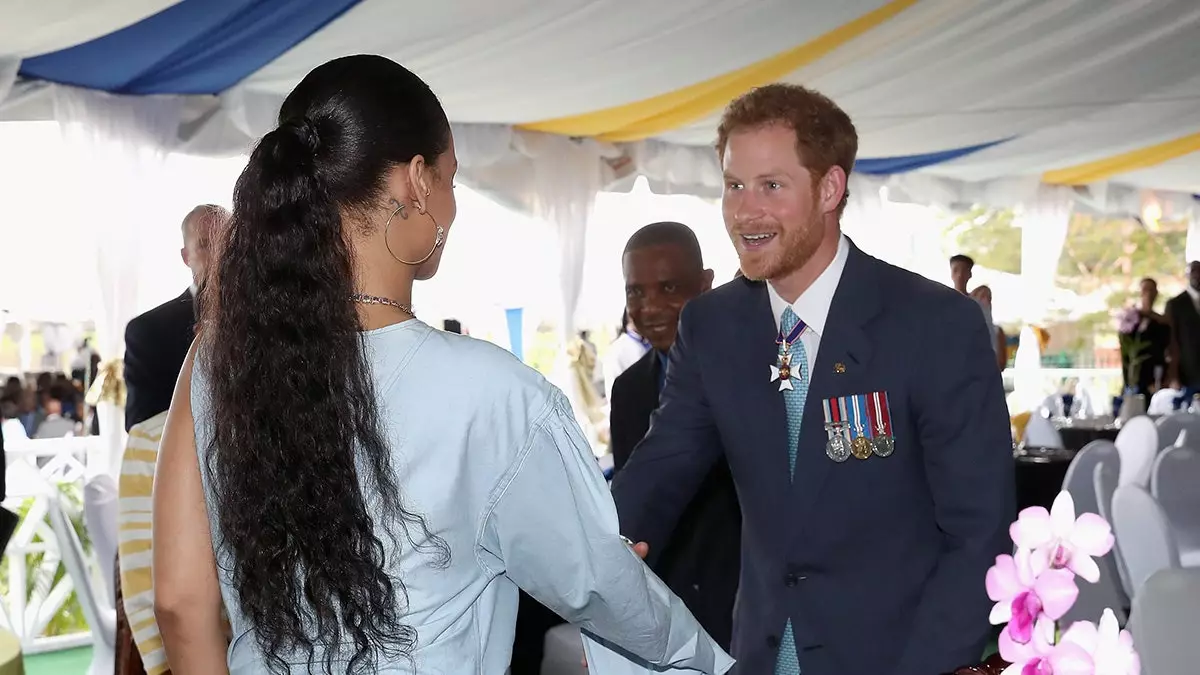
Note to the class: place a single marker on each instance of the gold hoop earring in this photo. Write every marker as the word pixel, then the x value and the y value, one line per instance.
pixel 437 242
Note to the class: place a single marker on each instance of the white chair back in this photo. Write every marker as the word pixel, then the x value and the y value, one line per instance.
pixel 1175 484
pixel 1171 426
pixel 563 654
pixel 1163 402
pixel 1137 443
pixel 1080 482
pixel 1164 620
pixel 101 618
pixel 1143 534
pixel 1105 479
pixel 1040 433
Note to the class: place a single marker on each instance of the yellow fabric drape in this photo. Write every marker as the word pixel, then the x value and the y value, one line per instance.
pixel 662 113
pixel 1142 158
pixel 109 386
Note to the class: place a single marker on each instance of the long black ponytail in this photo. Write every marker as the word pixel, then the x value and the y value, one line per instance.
pixel 298 452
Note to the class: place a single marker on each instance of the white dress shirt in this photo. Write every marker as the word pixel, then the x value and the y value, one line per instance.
pixel 813 304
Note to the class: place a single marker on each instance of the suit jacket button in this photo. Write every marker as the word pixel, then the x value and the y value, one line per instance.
pixel 772 642
pixel 791 579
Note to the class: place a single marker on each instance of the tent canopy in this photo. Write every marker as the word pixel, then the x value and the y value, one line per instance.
pixel 956 96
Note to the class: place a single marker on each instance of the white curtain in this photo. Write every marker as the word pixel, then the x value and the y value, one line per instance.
pixel 1043 221
pixel 121 144
pixel 8 75
pixel 1192 248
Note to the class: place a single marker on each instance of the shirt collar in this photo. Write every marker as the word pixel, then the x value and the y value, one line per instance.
pixel 813 304
pixel 1195 294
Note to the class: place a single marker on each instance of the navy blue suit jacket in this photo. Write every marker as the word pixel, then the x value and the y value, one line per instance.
pixel 880 563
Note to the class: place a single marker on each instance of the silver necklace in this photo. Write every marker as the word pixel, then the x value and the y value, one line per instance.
pixel 363 298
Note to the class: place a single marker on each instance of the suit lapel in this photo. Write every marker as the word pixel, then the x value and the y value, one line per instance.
pixel 756 351
pixel 845 342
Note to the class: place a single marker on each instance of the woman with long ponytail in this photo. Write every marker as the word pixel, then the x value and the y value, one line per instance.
pixel 356 491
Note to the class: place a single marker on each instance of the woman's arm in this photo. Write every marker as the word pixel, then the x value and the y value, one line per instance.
pixel 553 530
pixel 187 597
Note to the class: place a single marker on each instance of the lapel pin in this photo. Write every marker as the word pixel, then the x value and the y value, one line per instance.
pixel 839 368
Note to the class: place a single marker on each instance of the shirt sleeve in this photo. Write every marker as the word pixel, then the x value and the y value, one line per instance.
pixel 552 529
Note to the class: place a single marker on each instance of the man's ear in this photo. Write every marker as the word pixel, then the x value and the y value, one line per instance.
pixel 183 253
pixel 833 189
pixel 708 280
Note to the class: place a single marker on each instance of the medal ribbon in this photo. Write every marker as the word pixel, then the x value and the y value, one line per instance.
pixel 792 336
pixel 862 415
pixel 841 406
pixel 833 416
pixel 882 421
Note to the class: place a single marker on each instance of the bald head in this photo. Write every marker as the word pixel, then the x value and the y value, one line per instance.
pixel 198 228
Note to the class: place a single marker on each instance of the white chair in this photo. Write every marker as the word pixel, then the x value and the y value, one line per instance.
pixel 1137 443
pixel 1105 477
pixel 1141 527
pixel 1040 433
pixel 1164 622
pixel 1175 484
pixel 1163 402
pixel 563 654
pixel 101 618
pixel 100 515
pixel 1080 483
pixel 1171 426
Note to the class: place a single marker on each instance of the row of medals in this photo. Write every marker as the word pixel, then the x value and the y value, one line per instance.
pixel 840 446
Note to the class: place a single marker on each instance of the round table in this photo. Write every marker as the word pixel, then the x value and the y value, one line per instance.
pixel 11 662
pixel 1075 437
pixel 1039 475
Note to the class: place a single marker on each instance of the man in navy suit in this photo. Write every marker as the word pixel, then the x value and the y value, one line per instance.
pixel 859 409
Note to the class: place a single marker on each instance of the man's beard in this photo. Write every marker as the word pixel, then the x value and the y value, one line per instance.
pixel 794 256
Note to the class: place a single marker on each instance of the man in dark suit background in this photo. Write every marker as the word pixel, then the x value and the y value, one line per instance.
pixel 664 270
pixel 157 342
pixel 851 562
pixel 1183 314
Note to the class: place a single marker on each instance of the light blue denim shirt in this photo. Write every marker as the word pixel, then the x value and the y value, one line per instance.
pixel 490 454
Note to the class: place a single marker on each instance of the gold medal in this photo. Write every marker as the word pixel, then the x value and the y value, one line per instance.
pixel 860 447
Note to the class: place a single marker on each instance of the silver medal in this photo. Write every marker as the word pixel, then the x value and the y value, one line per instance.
pixel 838 449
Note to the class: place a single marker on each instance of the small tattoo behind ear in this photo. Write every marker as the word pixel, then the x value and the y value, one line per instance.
pixel 399 206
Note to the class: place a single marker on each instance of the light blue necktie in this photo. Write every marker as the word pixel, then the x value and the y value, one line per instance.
pixel 787 663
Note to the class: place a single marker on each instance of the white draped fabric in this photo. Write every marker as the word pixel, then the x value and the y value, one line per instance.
pixel 124 142
pixel 8 74
pixel 50 25
pixel 1043 222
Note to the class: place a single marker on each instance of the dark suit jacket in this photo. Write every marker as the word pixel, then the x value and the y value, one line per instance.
pixel 878 563
pixel 700 562
pixel 1185 327
pixel 1152 355
pixel 156 344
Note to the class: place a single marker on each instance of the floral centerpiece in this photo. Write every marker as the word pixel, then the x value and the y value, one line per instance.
pixel 1133 345
pixel 1034 588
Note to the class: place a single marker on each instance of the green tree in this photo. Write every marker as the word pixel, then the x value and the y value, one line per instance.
pixel 989 237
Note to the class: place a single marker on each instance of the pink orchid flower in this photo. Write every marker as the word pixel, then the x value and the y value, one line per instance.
pixel 1041 657
pixel 1060 541
pixel 1022 598
pixel 1110 647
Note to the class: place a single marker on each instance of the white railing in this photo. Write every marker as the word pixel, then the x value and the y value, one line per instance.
pixel 37 469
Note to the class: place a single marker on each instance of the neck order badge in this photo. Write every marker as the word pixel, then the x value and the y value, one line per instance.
pixel 782 370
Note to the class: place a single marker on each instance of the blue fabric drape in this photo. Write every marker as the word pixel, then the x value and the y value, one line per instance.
pixel 194 47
